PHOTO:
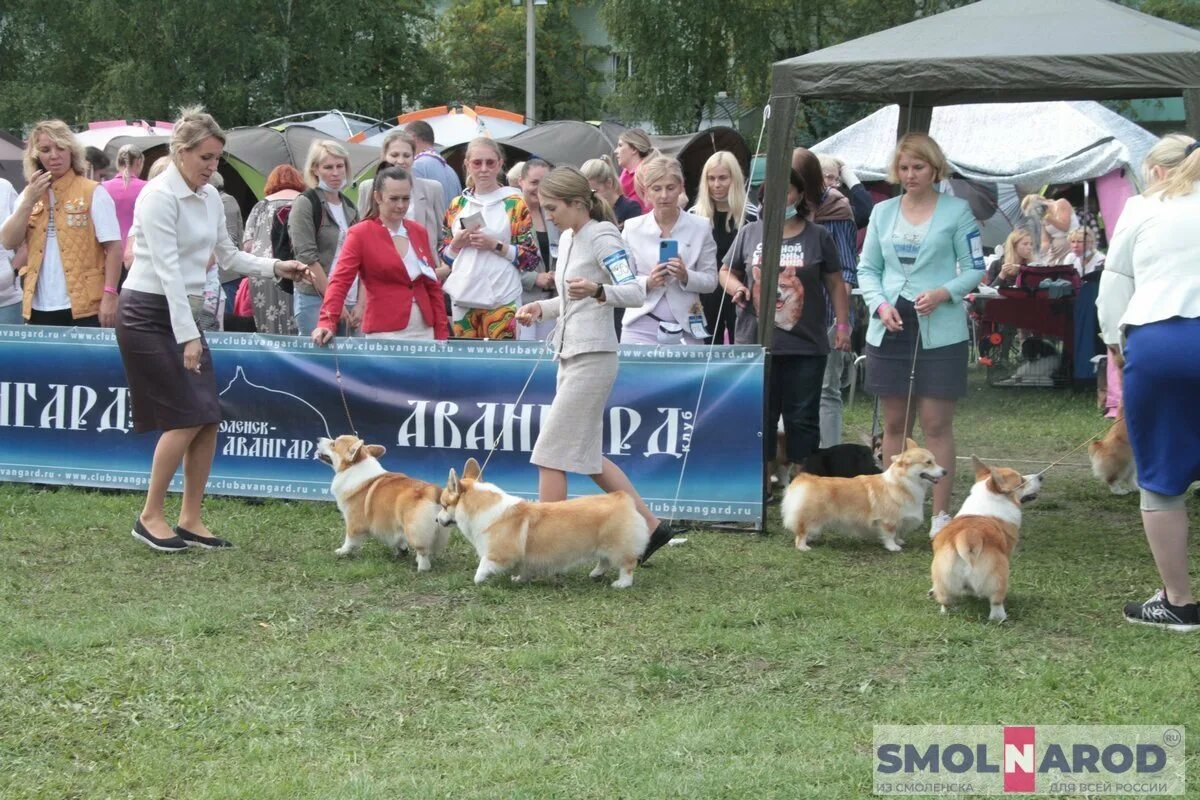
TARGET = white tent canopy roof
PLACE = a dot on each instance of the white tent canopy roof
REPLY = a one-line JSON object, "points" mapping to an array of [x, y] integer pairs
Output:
{"points": [[1027, 144]]}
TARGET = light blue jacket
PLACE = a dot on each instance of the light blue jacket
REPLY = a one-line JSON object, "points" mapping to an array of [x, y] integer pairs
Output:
{"points": [[951, 257]]}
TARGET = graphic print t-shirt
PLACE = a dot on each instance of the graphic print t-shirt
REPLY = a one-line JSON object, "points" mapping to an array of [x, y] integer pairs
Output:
{"points": [[800, 312]]}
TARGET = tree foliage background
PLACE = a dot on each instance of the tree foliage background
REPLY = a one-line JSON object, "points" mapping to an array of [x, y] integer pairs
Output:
{"points": [[480, 45], [253, 60], [247, 62]]}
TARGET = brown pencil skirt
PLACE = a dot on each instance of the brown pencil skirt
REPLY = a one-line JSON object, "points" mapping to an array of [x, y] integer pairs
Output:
{"points": [[164, 396]]}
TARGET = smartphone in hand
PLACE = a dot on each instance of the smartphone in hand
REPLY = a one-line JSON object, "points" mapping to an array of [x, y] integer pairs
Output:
{"points": [[667, 249], [472, 222]]}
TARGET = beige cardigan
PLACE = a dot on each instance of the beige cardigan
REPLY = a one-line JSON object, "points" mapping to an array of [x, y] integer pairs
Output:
{"points": [[586, 326]]}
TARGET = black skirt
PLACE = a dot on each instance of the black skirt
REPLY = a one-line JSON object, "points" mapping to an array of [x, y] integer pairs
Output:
{"points": [[941, 371], [164, 396]]}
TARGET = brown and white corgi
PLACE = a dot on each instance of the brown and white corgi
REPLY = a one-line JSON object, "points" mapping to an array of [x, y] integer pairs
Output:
{"points": [[397, 510], [888, 505], [1112, 459], [511, 534], [971, 554]]}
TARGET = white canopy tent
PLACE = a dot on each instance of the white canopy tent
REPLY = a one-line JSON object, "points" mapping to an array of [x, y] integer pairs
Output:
{"points": [[1026, 144]]}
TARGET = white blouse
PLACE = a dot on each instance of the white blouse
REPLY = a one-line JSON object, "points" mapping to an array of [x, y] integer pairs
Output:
{"points": [[1150, 273], [175, 232]]}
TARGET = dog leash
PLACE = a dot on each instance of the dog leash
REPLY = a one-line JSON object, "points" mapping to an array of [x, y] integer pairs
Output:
{"points": [[520, 396], [337, 374], [1075, 449]]}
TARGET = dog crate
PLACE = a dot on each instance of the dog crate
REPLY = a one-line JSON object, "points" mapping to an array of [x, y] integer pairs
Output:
{"points": [[1024, 337]]}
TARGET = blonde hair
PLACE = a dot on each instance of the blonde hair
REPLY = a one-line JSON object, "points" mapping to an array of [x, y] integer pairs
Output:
{"points": [[1183, 170], [922, 147], [514, 173], [158, 166], [193, 127], [475, 144], [570, 185], [639, 140], [737, 190], [399, 134], [1010, 245], [1082, 234], [655, 169], [830, 162], [318, 150], [128, 155], [60, 135], [599, 170]]}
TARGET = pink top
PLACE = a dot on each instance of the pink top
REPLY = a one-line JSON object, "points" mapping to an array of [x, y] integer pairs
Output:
{"points": [[627, 189], [124, 197]]}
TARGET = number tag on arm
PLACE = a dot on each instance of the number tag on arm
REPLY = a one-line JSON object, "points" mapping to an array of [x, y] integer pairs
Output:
{"points": [[975, 245], [618, 266]]}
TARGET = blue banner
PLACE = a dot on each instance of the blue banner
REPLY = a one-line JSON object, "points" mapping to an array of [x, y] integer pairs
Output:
{"points": [[65, 415]]}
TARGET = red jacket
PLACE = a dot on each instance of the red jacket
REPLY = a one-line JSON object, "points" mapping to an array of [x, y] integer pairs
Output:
{"points": [[369, 253]]}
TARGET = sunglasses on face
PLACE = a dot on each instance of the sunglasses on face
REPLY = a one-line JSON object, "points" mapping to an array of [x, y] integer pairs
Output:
{"points": [[483, 162]]}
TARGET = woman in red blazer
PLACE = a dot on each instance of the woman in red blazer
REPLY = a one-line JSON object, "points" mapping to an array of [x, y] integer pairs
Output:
{"points": [[393, 258]]}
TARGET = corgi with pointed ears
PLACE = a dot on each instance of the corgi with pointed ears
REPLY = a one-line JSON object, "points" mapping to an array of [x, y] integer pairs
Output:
{"points": [[972, 554], [528, 539]]}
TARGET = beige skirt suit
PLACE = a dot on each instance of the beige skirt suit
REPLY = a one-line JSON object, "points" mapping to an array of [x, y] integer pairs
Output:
{"points": [[584, 342]]}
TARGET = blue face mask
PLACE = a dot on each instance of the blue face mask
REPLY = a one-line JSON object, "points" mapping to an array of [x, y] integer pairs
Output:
{"points": [[325, 187], [790, 212]]}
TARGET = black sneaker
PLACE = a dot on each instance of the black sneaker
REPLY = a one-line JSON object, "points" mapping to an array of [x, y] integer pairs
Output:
{"points": [[1158, 612], [660, 536], [172, 545], [194, 540]]}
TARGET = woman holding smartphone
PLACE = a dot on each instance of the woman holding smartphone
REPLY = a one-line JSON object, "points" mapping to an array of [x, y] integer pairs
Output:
{"points": [[594, 276], [488, 243], [676, 261]]}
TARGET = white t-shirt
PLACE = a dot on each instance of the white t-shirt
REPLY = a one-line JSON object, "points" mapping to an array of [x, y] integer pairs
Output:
{"points": [[10, 289], [50, 294]]}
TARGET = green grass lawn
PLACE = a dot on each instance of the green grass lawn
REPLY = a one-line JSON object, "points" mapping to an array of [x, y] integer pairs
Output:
{"points": [[735, 667]]}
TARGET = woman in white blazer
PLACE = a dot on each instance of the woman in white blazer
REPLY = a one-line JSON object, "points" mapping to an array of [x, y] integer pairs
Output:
{"points": [[593, 278], [428, 199], [672, 313]]}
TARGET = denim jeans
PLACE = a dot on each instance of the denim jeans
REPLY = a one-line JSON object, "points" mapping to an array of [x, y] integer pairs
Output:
{"points": [[836, 369], [307, 311], [794, 392], [11, 314]]}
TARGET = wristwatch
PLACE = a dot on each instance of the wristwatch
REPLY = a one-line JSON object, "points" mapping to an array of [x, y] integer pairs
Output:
{"points": [[500, 248], [599, 293]]}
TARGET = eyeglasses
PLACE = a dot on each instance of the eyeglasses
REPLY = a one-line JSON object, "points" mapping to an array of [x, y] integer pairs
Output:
{"points": [[483, 162]]}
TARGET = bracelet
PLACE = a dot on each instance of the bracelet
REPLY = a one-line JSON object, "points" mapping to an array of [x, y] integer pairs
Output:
{"points": [[879, 309], [843, 327], [110, 290]]}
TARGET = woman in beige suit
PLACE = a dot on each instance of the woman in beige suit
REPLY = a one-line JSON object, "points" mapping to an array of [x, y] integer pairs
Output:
{"points": [[428, 199], [593, 277]]}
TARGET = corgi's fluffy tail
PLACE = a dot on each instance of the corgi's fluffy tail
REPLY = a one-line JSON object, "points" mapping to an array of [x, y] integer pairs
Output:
{"points": [[969, 545]]}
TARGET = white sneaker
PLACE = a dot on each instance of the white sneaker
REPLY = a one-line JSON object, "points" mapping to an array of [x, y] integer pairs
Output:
{"points": [[940, 521]]}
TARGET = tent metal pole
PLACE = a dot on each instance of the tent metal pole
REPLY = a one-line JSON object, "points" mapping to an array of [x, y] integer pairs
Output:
{"points": [[779, 159], [1191, 107]]}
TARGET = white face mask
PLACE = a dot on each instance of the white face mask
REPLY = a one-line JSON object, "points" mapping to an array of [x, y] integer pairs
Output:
{"points": [[790, 212], [325, 187]]}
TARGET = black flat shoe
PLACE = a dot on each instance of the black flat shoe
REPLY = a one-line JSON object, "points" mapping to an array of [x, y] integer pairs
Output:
{"points": [[661, 535], [172, 545], [193, 540]]}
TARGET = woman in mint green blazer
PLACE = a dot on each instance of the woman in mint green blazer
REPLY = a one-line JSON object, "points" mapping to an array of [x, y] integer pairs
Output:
{"points": [[921, 255]]}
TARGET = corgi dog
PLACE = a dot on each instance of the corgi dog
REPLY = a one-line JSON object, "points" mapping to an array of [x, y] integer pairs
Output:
{"points": [[1112, 459], [511, 534], [971, 554], [889, 504], [397, 510]]}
